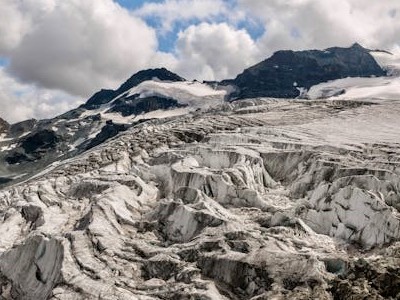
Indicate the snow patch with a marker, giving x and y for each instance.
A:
(191, 93)
(383, 88)
(388, 61)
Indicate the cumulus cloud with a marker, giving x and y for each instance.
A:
(303, 24)
(17, 17)
(24, 101)
(214, 51)
(80, 46)
(172, 11)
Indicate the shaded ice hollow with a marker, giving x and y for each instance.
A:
(257, 199)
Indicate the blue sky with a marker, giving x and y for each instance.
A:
(4, 61)
(166, 40)
(134, 4)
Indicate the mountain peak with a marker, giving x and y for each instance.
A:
(285, 72)
(357, 46)
(149, 74)
(105, 95)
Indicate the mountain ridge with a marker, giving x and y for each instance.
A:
(169, 191)
(286, 71)
(106, 95)
(147, 94)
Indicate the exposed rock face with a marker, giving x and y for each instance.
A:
(257, 199)
(285, 72)
(30, 146)
(35, 146)
(101, 97)
(105, 96)
(108, 131)
(21, 128)
(136, 105)
(160, 74)
(4, 126)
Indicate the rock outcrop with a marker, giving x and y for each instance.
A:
(4, 126)
(105, 96)
(30, 146)
(285, 72)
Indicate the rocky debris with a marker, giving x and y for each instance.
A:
(4, 126)
(33, 215)
(22, 128)
(108, 131)
(250, 200)
(369, 279)
(34, 146)
(30, 146)
(285, 72)
(136, 105)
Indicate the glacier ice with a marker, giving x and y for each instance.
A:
(257, 199)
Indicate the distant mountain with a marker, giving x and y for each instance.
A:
(163, 190)
(31, 145)
(286, 71)
(104, 96)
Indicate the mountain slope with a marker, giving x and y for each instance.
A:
(252, 199)
(377, 88)
(162, 190)
(104, 96)
(3, 126)
(387, 88)
(30, 146)
(285, 72)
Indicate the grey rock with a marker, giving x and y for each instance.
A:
(33, 269)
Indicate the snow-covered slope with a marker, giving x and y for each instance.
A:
(28, 147)
(358, 88)
(378, 88)
(195, 94)
(256, 199)
(388, 61)
(189, 95)
(161, 190)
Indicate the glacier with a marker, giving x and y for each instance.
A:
(171, 189)
(254, 199)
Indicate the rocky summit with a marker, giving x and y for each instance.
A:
(259, 198)
(287, 73)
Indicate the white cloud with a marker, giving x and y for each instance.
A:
(304, 24)
(24, 101)
(171, 11)
(12, 26)
(80, 46)
(214, 51)
(17, 17)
